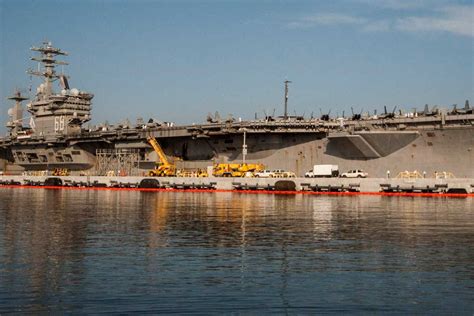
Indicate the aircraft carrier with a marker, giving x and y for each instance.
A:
(55, 135)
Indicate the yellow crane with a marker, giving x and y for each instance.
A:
(236, 169)
(164, 168)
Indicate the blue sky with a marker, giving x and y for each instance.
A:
(178, 60)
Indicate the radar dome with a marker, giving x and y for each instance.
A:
(74, 92)
(63, 91)
(10, 112)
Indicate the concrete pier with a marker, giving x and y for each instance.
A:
(394, 185)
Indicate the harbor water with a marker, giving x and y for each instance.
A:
(91, 251)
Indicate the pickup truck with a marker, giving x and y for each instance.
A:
(356, 173)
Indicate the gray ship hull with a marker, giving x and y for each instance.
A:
(449, 150)
(426, 150)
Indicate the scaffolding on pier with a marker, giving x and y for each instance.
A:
(117, 162)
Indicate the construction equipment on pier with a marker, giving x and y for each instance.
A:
(60, 172)
(236, 169)
(189, 173)
(164, 168)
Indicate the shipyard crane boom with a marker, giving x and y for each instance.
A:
(159, 151)
(165, 169)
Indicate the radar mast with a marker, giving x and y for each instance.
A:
(15, 113)
(47, 58)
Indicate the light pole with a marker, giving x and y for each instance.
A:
(244, 146)
(286, 99)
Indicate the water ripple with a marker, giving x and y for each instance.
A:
(209, 253)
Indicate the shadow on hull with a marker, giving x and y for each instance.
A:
(368, 145)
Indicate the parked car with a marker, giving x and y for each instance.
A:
(356, 173)
(264, 174)
(280, 173)
(277, 173)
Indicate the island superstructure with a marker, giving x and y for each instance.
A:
(55, 136)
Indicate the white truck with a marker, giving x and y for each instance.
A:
(355, 173)
(323, 171)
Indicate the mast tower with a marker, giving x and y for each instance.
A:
(15, 123)
(48, 60)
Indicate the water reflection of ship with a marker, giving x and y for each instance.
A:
(58, 236)
(44, 233)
